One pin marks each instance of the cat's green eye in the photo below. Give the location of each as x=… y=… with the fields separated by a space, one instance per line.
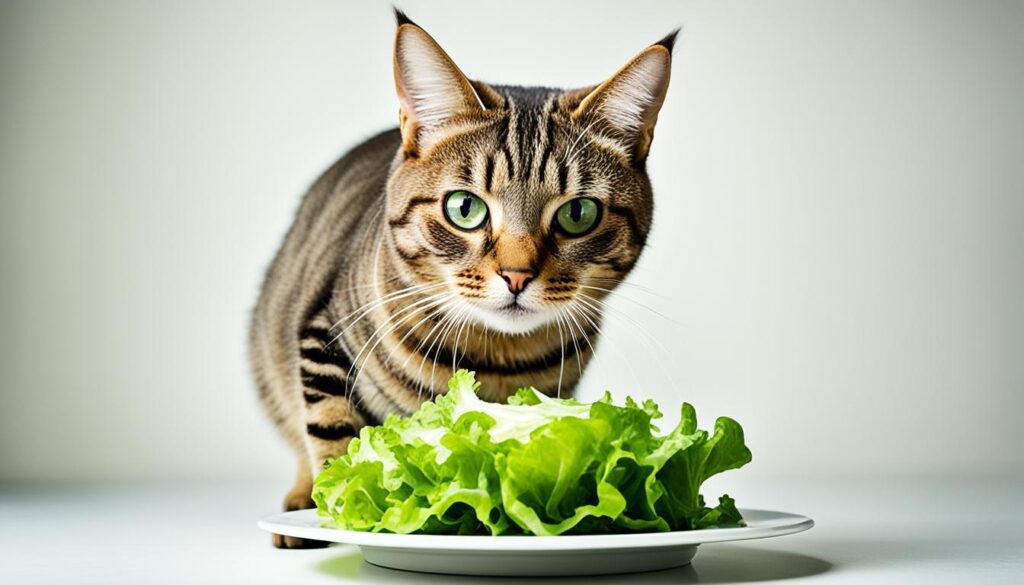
x=578 y=216
x=465 y=210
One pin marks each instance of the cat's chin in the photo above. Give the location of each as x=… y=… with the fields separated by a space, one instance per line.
x=511 y=320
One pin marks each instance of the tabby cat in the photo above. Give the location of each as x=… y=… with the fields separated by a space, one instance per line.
x=483 y=233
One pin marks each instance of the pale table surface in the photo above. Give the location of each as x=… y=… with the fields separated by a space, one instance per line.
x=878 y=531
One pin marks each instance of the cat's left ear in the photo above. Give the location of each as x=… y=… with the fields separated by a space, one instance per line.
x=630 y=100
x=431 y=88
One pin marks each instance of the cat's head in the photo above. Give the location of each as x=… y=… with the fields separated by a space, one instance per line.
x=519 y=204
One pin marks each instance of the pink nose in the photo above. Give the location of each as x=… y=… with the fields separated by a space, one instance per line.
x=516 y=279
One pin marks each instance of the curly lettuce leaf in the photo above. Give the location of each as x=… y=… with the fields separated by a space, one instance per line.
x=536 y=465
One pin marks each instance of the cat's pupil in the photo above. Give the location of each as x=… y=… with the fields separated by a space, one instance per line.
x=464 y=207
x=575 y=210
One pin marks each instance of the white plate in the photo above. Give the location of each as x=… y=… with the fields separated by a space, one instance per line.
x=597 y=554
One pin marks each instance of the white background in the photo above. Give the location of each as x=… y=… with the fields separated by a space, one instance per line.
x=839 y=238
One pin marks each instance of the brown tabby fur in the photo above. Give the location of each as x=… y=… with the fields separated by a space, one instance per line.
x=375 y=298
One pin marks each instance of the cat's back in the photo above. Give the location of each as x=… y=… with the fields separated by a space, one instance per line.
x=357 y=177
x=337 y=210
x=336 y=203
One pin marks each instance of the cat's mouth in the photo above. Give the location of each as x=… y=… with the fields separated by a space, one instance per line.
x=514 y=308
x=513 y=317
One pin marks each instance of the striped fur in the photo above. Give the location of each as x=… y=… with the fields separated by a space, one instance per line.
x=374 y=299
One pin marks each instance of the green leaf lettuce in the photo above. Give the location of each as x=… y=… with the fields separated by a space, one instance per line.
x=537 y=465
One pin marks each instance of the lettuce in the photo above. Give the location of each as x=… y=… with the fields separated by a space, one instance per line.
x=537 y=465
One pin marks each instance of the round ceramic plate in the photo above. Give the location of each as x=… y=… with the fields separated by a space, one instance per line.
x=596 y=554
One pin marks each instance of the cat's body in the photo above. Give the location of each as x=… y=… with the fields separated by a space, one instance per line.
x=482 y=234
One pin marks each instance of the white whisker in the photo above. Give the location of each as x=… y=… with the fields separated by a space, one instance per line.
x=449 y=322
x=377 y=303
x=621 y=282
x=651 y=343
x=454 y=324
x=634 y=301
x=583 y=312
x=442 y=327
x=458 y=335
x=423 y=358
x=412 y=330
x=575 y=343
x=561 y=364
x=377 y=331
x=569 y=156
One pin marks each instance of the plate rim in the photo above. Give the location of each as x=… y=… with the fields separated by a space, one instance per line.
x=785 y=523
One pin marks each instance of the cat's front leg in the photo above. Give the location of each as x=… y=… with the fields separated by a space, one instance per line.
x=331 y=424
x=331 y=419
x=298 y=498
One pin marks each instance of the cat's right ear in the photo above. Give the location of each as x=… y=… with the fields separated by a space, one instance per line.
x=431 y=88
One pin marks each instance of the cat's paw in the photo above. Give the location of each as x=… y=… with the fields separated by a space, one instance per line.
x=282 y=541
x=297 y=499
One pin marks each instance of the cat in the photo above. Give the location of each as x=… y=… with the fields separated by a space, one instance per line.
x=482 y=233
